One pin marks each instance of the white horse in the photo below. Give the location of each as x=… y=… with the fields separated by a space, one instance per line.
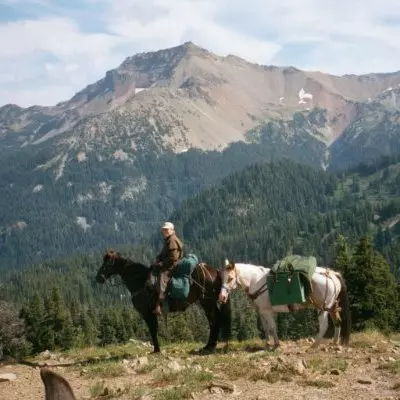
x=328 y=295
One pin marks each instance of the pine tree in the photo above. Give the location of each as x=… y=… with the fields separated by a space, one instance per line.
x=89 y=329
x=68 y=333
x=342 y=259
x=107 y=329
x=33 y=315
x=372 y=289
x=75 y=310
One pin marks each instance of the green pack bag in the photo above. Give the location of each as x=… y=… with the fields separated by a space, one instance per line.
x=180 y=280
x=289 y=281
x=285 y=288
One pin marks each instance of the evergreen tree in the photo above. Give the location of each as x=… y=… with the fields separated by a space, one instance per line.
x=108 y=334
x=342 y=260
x=89 y=329
x=33 y=315
x=68 y=333
x=372 y=289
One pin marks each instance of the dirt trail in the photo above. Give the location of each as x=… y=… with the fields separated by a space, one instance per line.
x=370 y=369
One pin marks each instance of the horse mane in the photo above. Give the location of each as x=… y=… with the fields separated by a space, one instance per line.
x=111 y=253
x=132 y=270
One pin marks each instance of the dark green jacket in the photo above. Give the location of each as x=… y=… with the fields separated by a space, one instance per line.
x=171 y=252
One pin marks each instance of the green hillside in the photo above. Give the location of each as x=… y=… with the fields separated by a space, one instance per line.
x=258 y=215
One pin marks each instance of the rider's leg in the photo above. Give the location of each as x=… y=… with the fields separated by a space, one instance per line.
x=165 y=276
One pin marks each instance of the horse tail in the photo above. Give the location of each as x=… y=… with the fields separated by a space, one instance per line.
x=226 y=320
x=344 y=303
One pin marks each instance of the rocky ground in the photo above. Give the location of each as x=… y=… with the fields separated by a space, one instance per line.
x=368 y=369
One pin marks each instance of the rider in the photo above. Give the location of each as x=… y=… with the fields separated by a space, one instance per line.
x=167 y=260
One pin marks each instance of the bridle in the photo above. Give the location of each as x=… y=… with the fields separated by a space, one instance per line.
x=237 y=280
x=110 y=264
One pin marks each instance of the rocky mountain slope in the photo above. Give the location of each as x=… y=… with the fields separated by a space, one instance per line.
x=187 y=96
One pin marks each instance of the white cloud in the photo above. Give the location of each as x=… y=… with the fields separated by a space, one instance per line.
x=59 y=36
x=58 y=51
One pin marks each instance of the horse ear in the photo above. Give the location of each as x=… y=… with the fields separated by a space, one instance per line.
x=226 y=262
x=56 y=387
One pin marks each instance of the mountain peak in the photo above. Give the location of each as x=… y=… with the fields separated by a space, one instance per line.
x=167 y=55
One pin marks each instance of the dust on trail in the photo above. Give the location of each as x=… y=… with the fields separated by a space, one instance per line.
x=368 y=369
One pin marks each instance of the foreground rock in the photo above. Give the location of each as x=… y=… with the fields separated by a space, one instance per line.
x=7 y=377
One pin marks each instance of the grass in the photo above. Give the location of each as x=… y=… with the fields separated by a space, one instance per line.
x=391 y=366
x=183 y=349
x=106 y=369
x=325 y=365
x=232 y=366
x=114 y=351
x=99 y=390
x=374 y=339
x=176 y=393
x=395 y=337
x=146 y=368
x=270 y=377
x=185 y=382
x=367 y=339
x=138 y=392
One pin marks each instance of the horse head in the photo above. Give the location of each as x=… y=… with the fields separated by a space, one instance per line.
x=112 y=261
x=56 y=387
x=229 y=280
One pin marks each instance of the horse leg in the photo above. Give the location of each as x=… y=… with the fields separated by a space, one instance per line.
x=268 y=316
x=323 y=326
x=337 y=324
x=212 y=314
x=264 y=324
x=152 y=324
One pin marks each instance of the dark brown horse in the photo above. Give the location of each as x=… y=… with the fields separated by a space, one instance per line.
x=205 y=285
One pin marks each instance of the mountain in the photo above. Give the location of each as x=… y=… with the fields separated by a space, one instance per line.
x=106 y=166
x=197 y=98
x=375 y=131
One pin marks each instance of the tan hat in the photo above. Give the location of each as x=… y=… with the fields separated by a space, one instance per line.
x=168 y=225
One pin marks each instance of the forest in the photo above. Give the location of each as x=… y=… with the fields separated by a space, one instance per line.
x=349 y=220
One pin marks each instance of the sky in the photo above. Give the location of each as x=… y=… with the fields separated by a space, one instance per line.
x=50 y=49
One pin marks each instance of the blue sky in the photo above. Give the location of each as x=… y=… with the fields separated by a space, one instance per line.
x=50 y=49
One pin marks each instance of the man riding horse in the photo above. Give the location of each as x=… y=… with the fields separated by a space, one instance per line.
x=166 y=261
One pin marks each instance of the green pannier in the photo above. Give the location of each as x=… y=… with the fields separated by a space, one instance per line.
x=180 y=281
x=289 y=281
x=285 y=288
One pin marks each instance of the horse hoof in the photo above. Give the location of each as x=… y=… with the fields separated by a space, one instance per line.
x=273 y=348
x=207 y=350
